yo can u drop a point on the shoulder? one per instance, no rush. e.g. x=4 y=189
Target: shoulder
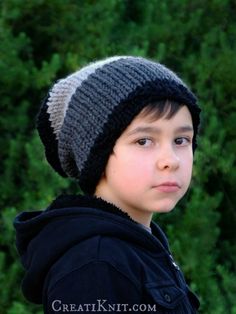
x=98 y=251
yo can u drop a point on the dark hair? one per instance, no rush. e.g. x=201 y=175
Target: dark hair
x=162 y=108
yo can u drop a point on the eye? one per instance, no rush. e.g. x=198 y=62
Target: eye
x=182 y=141
x=145 y=142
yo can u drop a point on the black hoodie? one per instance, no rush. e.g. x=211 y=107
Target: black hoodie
x=83 y=254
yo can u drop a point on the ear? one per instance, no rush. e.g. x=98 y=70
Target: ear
x=103 y=175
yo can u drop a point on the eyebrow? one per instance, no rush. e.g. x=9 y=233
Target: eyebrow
x=156 y=130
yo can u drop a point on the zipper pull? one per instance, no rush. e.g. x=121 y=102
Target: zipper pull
x=174 y=263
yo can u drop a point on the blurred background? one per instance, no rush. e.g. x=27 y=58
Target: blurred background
x=44 y=40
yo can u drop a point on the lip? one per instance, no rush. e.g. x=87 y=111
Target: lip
x=168 y=187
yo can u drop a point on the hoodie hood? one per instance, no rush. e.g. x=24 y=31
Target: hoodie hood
x=42 y=237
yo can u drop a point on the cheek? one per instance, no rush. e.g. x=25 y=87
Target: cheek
x=128 y=171
x=187 y=166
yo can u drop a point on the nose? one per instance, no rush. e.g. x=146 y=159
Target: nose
x=167 y=159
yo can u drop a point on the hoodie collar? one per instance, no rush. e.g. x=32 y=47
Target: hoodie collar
x=87 y=201
x=29 y=225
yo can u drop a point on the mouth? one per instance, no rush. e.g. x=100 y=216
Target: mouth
x=168 y=187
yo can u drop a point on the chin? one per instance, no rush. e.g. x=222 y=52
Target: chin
x=164 y=208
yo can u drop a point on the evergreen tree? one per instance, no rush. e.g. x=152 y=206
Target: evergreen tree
x=45 y=40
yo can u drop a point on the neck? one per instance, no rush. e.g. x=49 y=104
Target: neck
x=141 y=216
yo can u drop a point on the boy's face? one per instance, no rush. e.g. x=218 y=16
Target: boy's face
x=151 y=165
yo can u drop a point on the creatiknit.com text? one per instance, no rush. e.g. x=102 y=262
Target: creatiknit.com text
x=101 y=305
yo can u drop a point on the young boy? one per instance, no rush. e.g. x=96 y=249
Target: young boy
x=125 y=128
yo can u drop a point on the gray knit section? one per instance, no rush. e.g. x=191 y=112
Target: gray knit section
x=94 y=100
x=62 y=91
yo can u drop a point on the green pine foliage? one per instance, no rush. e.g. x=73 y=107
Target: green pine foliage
x=42 y=41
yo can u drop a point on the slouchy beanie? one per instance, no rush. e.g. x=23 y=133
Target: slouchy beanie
x=85 y=113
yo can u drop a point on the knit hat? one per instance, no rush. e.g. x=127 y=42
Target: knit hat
x=85 y=113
